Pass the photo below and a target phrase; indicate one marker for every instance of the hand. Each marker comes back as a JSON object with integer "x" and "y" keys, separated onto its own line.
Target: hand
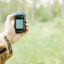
{"x": 9, "y": 30}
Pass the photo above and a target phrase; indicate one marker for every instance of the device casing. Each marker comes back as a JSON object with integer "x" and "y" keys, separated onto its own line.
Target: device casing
{"x": 20, "y": 15}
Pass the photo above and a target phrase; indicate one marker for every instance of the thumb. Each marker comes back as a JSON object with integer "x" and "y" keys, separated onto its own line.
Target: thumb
{"x": 10, "y": 17}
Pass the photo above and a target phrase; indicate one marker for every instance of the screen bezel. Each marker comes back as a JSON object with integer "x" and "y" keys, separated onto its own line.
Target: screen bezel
{"x": 20, "y": 17}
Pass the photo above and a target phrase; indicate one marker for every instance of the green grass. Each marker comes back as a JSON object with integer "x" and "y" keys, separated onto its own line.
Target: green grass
{"x": 43, "y": 44}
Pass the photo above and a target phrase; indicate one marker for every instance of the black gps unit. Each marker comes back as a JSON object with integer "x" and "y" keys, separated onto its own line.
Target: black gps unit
{"x": 20, "y": 21}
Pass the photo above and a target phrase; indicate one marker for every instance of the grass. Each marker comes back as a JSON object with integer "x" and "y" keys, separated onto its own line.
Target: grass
{"x": 43, "y": 44}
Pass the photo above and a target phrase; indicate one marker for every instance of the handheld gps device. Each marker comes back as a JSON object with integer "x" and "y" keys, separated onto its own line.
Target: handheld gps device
{"x": 20, "y": 21}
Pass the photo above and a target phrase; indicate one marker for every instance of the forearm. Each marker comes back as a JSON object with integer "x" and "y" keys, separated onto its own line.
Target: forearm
{"x": 4, "y": 51}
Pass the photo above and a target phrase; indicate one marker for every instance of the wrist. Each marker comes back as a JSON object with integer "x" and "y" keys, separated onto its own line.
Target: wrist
{"x": 10, "y": 37}
{"x": 7, "y": 35}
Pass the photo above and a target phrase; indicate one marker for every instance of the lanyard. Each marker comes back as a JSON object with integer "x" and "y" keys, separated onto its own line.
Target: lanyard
{"x": 8, "y": 44}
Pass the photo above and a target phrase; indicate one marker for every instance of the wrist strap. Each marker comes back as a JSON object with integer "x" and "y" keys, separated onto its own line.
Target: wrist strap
{"x": 8, "y": 44}
{"x": 2, "y": 50}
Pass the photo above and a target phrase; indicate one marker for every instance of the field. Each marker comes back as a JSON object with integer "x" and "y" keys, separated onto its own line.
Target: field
{"x": 43, "y": 44}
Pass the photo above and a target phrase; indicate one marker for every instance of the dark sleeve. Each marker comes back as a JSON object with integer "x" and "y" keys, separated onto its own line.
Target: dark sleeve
{"x": 5, "y": 51}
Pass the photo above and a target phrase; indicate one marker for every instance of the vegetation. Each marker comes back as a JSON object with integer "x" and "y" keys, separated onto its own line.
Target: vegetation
{"x": 44, "y": 43}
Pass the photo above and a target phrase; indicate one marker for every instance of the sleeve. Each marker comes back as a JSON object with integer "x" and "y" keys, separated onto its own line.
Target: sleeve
{"x": 5, "y": 50}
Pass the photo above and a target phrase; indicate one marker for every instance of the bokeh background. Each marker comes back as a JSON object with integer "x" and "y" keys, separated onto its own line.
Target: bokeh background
{"x": 44, "y": 43}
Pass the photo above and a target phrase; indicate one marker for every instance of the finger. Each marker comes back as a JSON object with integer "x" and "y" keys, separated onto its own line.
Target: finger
{"x": 27, "y": 28}
{"x": 26, "y": 21}
{"x": 27, "y": 24}
{"x": 10, "y": 17}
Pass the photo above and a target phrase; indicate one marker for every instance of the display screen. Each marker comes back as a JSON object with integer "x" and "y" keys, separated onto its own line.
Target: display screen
{"x": 19, "y": 24}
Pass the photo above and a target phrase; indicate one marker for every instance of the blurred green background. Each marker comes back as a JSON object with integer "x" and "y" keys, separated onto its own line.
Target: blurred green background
{"x": 44, "y": 43}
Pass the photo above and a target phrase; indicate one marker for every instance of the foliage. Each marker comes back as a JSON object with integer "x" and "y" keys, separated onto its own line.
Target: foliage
{"x": 56, "y": 9}
{"x": 41, "y": 13}
{"x": 44, "y": 44}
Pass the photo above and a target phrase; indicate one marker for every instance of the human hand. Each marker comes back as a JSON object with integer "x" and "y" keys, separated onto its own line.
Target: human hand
{"x": 9, "y": 30}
